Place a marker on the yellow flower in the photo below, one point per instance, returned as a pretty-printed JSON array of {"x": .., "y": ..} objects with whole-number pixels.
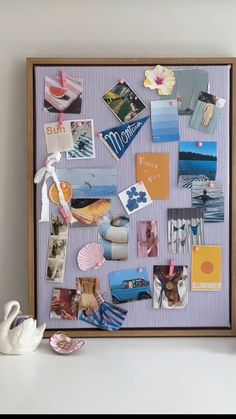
[{"x": 160, "y": 78}]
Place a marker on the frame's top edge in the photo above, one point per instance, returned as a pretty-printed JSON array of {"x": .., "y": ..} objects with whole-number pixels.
[{"x": 127, "y": 61}]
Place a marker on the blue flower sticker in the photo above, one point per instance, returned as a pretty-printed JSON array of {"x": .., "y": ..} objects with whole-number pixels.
[
  {"x": 132, "y": 192},
  {"x": 132, "y": 204},
  {"x": 142, "y": 197}
]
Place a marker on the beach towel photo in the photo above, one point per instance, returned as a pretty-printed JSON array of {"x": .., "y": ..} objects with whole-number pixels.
[
  {"x": 129, "y": 285},
  {"x": 197, "y": 162},
  {"x": 207, "y": 113},
  {"x": 83, "y": 140},
  {"x": 209, "y": 196},
  {"x": 124, "y": 102},
  {"x": 63, "y": 99}
]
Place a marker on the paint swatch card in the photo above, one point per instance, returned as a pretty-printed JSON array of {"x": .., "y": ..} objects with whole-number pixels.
[
  {"x": 83, "y": 140},
  {"x": 147, "y": 238},
  {"x": 165, "y": 121},
  {"x": 90, "y": 183},
  {"x": 124, "y": 102},
  {"x": 58, "y": 138},
  {"x": 64, "y": 304},
  {"x": 206, "y": 268},
  {"x": 170, "y": 291},
  {"x": 209, "y": 196},
  {"x": 153, "y": 170},
  {"x": 129, "y": 285},
  {"x": 185, "y": 228},
  {"x": 118, "y": 139},
  {"x": 63, "y": 99},
  {"x": 207, "y": 113},
  {"x": 135, "y": 197},
  {"x": 197, "y": 162}
]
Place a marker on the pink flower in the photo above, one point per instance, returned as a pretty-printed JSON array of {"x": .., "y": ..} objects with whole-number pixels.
[{"x": 160, "y": 78}]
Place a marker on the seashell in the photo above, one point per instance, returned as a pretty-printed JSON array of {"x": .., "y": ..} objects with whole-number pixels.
[
  {"x": 91, "y": 256},
  {"x": 63, "y": 344}
]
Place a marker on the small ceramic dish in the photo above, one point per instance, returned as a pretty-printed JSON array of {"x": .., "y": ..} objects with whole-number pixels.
[{"x": 63, "y": 344}]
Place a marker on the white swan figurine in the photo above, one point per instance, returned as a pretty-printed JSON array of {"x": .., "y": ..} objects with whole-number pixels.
[{"x": 21, "y": 339}]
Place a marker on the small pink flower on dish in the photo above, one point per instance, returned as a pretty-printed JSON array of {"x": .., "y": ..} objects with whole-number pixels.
[
  {"x": 63, "y": 344},
  {"x": 160, "y": 78}
]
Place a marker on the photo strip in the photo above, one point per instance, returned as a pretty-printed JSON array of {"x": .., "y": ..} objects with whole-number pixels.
[{"x": 57, "y": 244}]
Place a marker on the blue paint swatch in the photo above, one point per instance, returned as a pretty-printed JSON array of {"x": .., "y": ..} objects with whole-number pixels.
[{"x": 165, "y": 121}]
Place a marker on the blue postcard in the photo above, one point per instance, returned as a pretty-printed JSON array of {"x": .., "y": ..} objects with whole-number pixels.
[
  {"x": 129, "y": 285},
  {"x": 197, "y": 162},
  {"x": 165, "y": 121},
  {"x": 210, "y": 197},
  {"x": 118, "y": 139},
  {"x": 90, "y": 182}
]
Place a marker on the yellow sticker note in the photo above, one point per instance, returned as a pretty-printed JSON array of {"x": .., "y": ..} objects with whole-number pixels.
[
  {"x": 206, "y": 268},
  {"x": 153, "y": 170}
]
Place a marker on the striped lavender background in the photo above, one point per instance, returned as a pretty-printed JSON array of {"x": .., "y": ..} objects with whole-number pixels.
[{"x": 205, "y": 309}]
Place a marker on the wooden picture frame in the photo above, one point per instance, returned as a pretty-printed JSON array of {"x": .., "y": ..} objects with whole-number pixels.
[{"x": 32, "y": 262}]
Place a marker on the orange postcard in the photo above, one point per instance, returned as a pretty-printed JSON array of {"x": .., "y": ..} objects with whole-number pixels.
[
  {"x": 153, "y": 170},
  {"x": 206, "y": 268}
]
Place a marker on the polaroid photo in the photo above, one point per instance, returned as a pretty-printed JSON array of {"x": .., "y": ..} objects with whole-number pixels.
[
  {"x": 83, "y": 140},
  {"x": 197, "y": 162},
  {"x": 90, "y": 183},
  {"x": 64, "y": 304},
  {"x": 185, "y": 229},
  {"x": 210, "y": 197},
  {"x": 207, "y": 113},
  {"x": 89, "y": 212},
  {"x": 124, "y": 102},
  {"x": 170, "y": 291},
  {"x": 63, "y": 99},
  {"x": 113, "y": 235},
  {"x": 129, "y": 285},
  {"x": 135, "y": 197},
  {"x": 147, "y": 239}
]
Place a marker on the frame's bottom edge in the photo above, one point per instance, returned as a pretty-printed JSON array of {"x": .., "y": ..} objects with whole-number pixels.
[{"x": 129, "y": 333}]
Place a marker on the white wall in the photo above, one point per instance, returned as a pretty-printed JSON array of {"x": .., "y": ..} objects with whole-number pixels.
[{"x": 83, "y": 28}]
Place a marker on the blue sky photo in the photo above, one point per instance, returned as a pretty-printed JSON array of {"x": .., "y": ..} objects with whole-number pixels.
[{"x": 208, "y": 148}]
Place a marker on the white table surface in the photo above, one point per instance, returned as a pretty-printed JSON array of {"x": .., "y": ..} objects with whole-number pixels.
[{"x": 178, "y": 375}]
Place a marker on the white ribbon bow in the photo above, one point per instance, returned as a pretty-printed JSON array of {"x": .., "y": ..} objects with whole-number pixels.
[{"x": 46, "y": 172}]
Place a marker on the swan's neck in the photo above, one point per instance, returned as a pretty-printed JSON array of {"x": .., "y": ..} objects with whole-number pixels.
[{"x": 11, "y": 310}]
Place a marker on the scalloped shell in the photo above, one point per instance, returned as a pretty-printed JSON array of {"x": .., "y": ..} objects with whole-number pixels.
[
  {"x": 91, "y": 256},
  {"x": 63, "y": 344}
]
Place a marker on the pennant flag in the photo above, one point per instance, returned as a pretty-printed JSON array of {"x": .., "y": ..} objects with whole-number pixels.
[{"x": 118, "y": 139}]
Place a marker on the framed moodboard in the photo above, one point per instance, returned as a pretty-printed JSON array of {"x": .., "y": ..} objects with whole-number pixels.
[{"x": 205, "y": 312}]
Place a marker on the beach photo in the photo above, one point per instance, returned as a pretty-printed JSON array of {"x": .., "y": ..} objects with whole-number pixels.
[
  {"x": 89, "y": 211},
  {"x": 90, "y": 183},
  {"x": 64, "y": 304},
  {"x": 83, "y": 140},
  {"x": 209, "y": 196},
  {"x": 129, "y": 285},
  {"x": 124, "y": 102},
  {"x": 63, "y": 99},
  {"x": 197, "y": 162}
]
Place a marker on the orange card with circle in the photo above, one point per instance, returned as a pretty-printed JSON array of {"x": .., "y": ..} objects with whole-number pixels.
[{"x": 206, "y": 268}]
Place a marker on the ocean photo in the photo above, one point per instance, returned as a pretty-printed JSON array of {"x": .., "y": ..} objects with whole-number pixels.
[
  {"x": 211, "y": 199},
  {"x": 197, "y": 163}
]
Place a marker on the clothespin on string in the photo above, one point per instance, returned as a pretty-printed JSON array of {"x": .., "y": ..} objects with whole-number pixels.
[
  {"x": 63, "y": 79},
  {"x": 171, "y": 267},
  {"x": 61, "y": 120}
]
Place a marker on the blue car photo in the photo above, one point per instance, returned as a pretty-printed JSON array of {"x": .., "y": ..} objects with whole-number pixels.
[{"x": 126, "y": 287}]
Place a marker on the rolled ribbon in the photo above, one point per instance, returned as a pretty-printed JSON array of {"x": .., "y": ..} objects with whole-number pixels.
[{"x": 46, "y": 172}]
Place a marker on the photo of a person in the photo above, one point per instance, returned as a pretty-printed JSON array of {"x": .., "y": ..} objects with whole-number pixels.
[
  {"x": 57, "y": 248},
  {"x": 87, "y": 289},
  {"x": 64, "y": 304},
  {"x": 55, "y": 270},
  {"x": 147, "y": 232},
  {"x": 59, "y": 226}
]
